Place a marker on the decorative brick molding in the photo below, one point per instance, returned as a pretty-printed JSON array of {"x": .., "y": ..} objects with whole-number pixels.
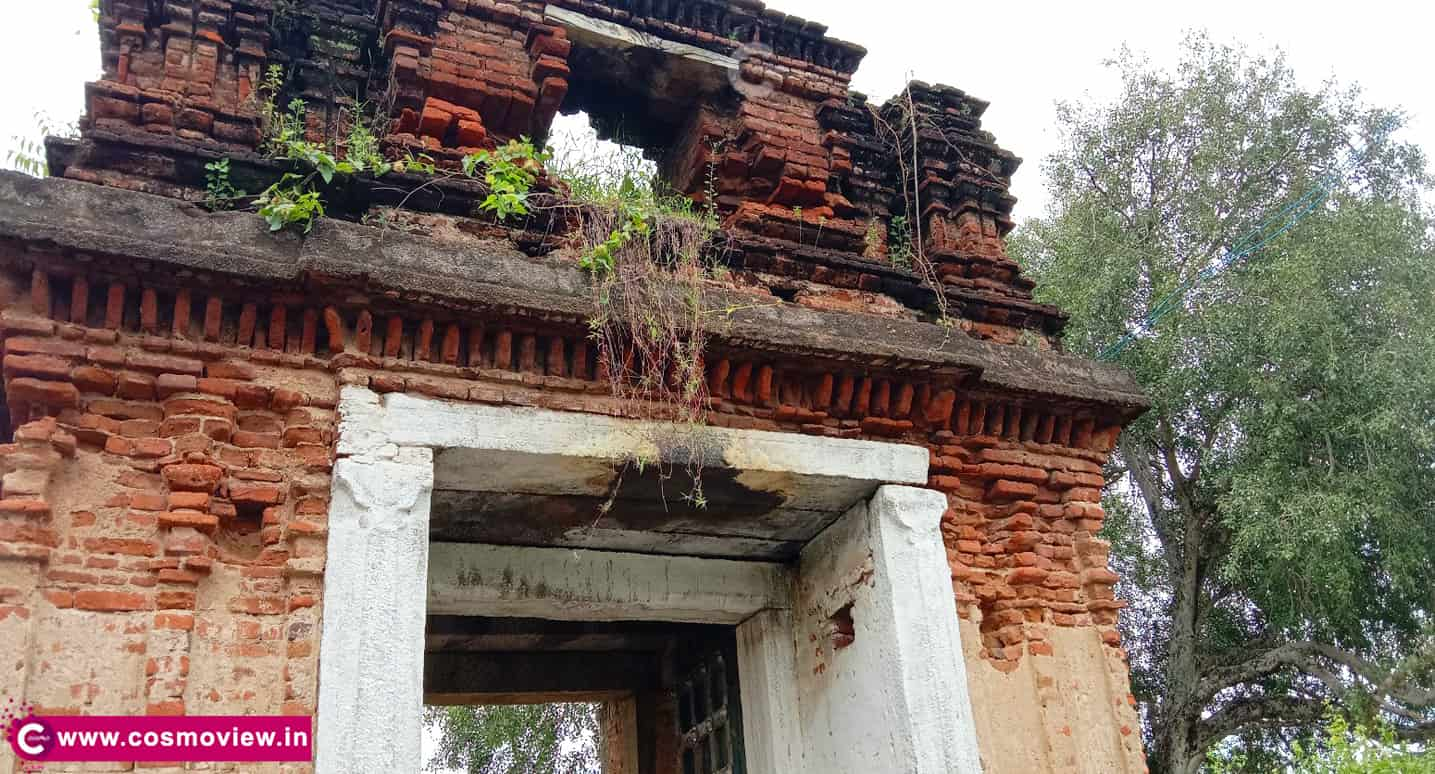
[{"x": 806, "y": 173}]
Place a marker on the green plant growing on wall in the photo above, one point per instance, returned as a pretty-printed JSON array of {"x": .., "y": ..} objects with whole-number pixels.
[
  {"x": 285, "y": 134},
  {"x": 274, "y": 122},
  {"x": 509, "y": 172},
  {"x": 219, "y": 192},
  {"x": 422, "y": 164},
  {"x": 362, "y": 152},
  {"x": 291, "y": 201},
  {"x": 872, "y": 240},
  {"x": 899, "y": 242},
  {"x": 633, "y": 221},
  {"x": 649, "y": 251},
  {"x": 904, "y": 230}
]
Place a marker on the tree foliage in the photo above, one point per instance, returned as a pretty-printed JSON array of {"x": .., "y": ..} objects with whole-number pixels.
[
  {"x": 26, "y": 153},
  {"x": 1275, "y": 514},
  {"x": 516, "y": 739},
  {"x": 1340, "y": 749}
]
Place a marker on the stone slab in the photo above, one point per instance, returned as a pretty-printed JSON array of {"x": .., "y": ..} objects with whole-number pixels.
[{"x": 566, "y": 585}]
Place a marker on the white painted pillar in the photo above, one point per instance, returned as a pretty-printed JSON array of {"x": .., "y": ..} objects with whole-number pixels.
[
  {"x": 767, "y": 667},
  {"x": 375, "y": 589},
  {"x": 891, "y": 694}
]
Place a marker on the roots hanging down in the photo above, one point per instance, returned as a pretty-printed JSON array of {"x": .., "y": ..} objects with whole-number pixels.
[
  {"x": 649, "y": 315},
  {"x": 649, "y": 260}
]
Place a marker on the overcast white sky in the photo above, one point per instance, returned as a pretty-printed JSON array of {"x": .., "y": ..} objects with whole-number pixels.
[{"x": 1020, "y": 55}]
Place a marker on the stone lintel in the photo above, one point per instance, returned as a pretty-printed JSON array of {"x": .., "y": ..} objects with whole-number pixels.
[
  {"x": 603, "y": 32},
  {"x": 566, "y": 585},
  {"x": 370, "y": 421},
  {"x": 533, "y": 477}
]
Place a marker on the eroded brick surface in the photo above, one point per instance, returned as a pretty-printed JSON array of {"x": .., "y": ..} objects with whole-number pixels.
[{"x": 809, "y": 176}]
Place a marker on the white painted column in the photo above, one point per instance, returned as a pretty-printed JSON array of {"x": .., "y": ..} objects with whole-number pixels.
[
  {"x": 767, "y": 667},
  {"x": 891, "y": 695},
  {"x": 375, "y": 592}
]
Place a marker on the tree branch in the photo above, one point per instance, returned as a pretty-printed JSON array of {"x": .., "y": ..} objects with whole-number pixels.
[
  {"x": 1111, "y": 201},
  {"x": 1139, "y": 462},
  {"x": 1308, "y": 657},
  {"x": 1212, "y": 430},
  {"x": 1257, "y": 712},
  {"x": 1168, "y": 449}
]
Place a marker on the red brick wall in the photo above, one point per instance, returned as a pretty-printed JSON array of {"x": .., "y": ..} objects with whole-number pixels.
[
  {"x": 169, "y": 479},
  {"x": 167, "y": 502},
  {"x": 163, "y": 505}
]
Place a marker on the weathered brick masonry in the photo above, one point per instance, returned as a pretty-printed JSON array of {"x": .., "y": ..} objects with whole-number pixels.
[{"x": 171, "y": 375}]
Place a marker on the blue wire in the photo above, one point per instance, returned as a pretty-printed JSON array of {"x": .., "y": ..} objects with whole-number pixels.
[{"x": 1253, "y": 242}]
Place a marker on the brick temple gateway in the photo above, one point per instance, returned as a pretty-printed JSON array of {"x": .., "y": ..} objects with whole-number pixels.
[{"x": 346, "y": 472}]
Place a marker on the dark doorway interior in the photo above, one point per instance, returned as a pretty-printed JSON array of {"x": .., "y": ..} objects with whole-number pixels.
[{"x": 668, "y": 694}]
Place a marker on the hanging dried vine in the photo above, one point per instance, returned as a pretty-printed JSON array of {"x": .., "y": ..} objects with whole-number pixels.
[{"x": 906, "y": 242}]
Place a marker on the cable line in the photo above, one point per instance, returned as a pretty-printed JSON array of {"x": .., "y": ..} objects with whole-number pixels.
[
  {"x": 1259, "y": 237},
  {"x": 1263, "y": 234}
]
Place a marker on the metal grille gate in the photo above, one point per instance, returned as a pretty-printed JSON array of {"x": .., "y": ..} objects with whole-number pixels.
[{"x": 710, "y": 716}]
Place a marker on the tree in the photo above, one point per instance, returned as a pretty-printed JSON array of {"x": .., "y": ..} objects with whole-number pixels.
[
  {"x": 1274, "y": 514},
  {"x": 518, "y": 739},
  {"x": 1343, "y": 749},
  {"x": 26, "y": 153}
]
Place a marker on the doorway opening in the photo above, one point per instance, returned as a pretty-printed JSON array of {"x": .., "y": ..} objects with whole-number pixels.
[
  {"x": 647, "y": 618},
  {"x": 579, "y": 697}
]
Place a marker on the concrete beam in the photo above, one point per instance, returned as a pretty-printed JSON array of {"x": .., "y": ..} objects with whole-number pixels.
[
  {"x": 369, "y": 422},
  {"x": 564, "y": 585}
]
